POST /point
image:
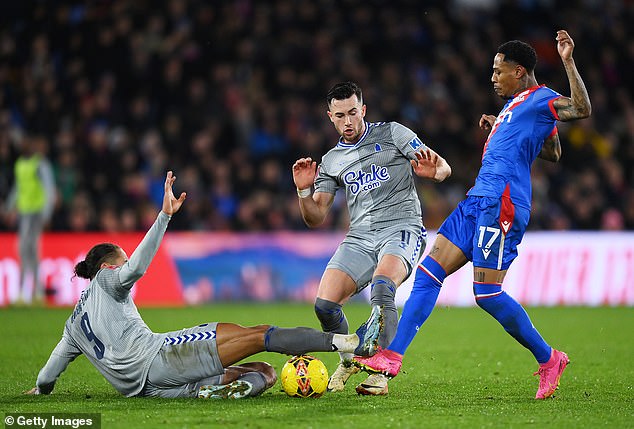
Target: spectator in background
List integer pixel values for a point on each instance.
(252, 74)
(31, 199)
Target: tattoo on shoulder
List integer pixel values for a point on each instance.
(565, 109)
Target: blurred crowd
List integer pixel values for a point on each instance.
(228, 94)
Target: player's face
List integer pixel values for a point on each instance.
(121, 258)
(347, 117)
(506, 77)
(117, 260)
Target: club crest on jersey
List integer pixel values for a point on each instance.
(360, 181)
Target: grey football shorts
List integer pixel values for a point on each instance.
(187, 360)
(359, 253)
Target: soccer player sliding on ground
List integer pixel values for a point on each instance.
(488, 225)
(105, 325)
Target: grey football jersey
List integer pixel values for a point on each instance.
(106, 326)
(377, 176)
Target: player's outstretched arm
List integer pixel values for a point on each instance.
(63, 354)
(140, 259)
(551, 149)
(429, 165)
(577, 106)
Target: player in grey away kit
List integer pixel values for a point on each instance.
(373, 163)
(195, 362)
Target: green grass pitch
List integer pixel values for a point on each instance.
(461, 371)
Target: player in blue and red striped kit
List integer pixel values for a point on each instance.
(488, 225)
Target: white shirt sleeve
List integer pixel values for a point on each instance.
(140, 260)
(63, 354)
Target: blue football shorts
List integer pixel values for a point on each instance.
(487, 230)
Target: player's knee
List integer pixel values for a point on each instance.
(429, 274)
(260, 329)
(486, 295)
(330, 315)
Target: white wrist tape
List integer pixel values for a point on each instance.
(304, 193)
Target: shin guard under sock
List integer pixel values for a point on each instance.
(382, 294)
(512, 316)
(257, 380)
(427, 283)
(332, 319)
(297, 341)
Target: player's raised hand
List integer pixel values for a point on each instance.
(486, 121)
(304, 171)
(171, 204)
(425, 163)
(565, 45)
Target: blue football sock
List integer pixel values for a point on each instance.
(512, 316)
(419, 305)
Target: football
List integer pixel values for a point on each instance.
(304, 377)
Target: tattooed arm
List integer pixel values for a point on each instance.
(551, 149)
(577, 106)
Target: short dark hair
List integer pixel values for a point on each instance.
(344, 90)
(519, 52)
(104, 252)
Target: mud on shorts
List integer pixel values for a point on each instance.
(360, 252)
(187, 360)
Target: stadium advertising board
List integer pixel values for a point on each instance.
(565, 268)
(556, 268)
(59, 254)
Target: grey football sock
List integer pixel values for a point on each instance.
(331, 316)
(332, 319)
(382, 294)
(257, 380)
(297, 341)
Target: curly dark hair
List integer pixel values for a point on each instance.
(519, 52)
(88, 268)
(344, 90)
